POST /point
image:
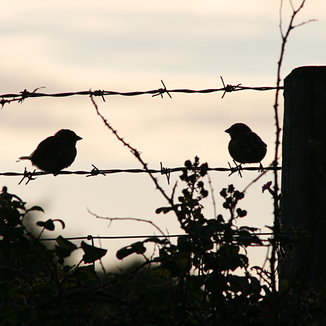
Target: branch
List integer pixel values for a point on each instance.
(128, 219)
(136, 153)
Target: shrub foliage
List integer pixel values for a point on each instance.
(202, 278)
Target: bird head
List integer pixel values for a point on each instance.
(68, 135)
(238, 129)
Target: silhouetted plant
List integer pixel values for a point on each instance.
(204, 278)
(197, 271)
(36, 287)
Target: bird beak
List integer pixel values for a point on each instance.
(78, 138)
(227, 130)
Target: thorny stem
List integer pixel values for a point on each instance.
(137, 155)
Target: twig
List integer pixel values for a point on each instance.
(128, 219)
(136, 153)
(212, 193)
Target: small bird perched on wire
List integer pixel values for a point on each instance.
(245, 146)
(55, 152)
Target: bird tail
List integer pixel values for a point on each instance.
(23, 158)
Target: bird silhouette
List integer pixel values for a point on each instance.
(55, 152)
(245, 146)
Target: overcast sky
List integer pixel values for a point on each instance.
(129, 46)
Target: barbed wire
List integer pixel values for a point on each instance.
(95, 172)
(23, 95)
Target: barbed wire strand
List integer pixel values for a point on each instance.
(23, 95)
(95, 172)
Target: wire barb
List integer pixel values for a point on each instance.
(229, 88)
(28, 175)
(95, 171)
(166, 171)
(99, 93)
(3, 102)
(237, 168)
(161, 91)
(25, 94)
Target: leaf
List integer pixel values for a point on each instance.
(248, 228)
(231, 259)
(124, 252)
(188, 164)
(48, 225)
(61, 221)
(156, 240)
(241, 212)
(65, 243)
(163, 210)
(36, 208)
(11, 233)
(82, 274)
(240, 284)
(137, 248)
(62, 252)
(184, 243)
(92, 253)
(65, 247)
(177, 266)
(255, 287)
(229, 250)
(246, 238)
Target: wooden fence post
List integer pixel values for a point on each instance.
(304, 174)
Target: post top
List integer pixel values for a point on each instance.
(307, 70)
